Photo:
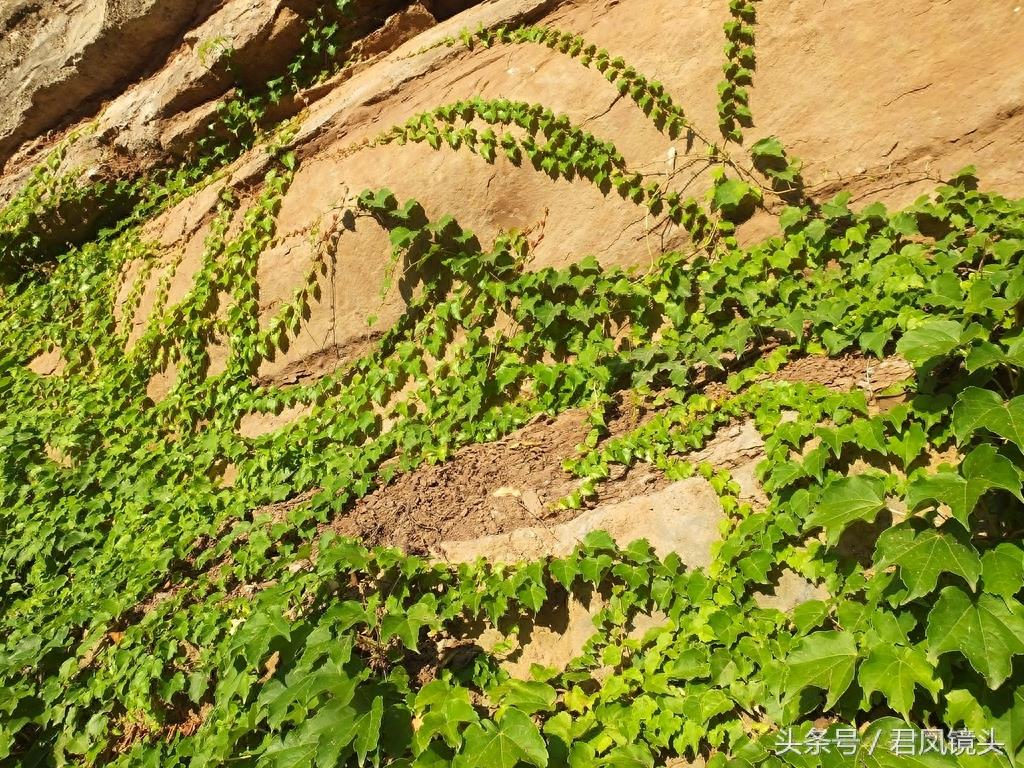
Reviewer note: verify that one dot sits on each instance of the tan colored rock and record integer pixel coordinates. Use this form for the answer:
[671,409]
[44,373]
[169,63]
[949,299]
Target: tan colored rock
[48,363]
[731,446]
[813,116]
[397,29]
[255,425]
[682,518]
[258,38]
[558,634]
[553,640]
[790,590]
[888,90]
[161,382]
[57,58]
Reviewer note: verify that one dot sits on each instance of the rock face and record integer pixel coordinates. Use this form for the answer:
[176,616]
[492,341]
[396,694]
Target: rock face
[915,101]
[683,518]
[57,60]
[881,100]
[876,117]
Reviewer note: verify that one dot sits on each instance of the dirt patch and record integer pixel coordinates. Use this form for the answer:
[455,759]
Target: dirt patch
[486,489]
[848,372]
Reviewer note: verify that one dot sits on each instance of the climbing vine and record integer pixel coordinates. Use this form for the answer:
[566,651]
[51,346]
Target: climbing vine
[740,60]
[155,614]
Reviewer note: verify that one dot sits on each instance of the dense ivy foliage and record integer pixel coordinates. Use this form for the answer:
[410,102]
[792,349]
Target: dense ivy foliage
[151,617]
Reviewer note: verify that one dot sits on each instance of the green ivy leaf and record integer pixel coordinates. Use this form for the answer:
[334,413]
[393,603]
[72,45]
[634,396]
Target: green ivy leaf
[366,729]
[504,744]
[983,409]
[406,626]
[734,198]
[923,555]
[1002,570]
[934,338]
[875,749]
[527,696]
[894,671]
[823,660]
[279,699]
[982,470]
[629,756]
[852,498]
[769,148]
[909,445]
[981,710]
[988,631]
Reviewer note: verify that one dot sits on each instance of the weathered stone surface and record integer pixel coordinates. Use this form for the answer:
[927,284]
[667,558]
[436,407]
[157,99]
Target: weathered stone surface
[789,590]
[48,363]
[682,518]
[57,60]
[258,424]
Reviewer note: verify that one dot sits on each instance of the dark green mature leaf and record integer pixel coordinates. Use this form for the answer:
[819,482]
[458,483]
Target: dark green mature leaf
[894,671]
[823,660]
[280,699]
[1002,570]
[923,555]
[983,409]
[324,735]
[877,748]
[366,729]
[989,631]
[846,500]
[284,755]
[983,469]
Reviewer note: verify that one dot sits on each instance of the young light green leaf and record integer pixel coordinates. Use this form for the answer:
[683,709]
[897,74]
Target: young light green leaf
[768,148]
[528,696]
[406,626]
[732,197]
[628,756]
[444,709]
